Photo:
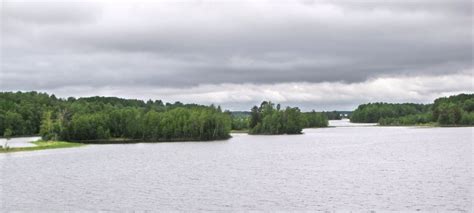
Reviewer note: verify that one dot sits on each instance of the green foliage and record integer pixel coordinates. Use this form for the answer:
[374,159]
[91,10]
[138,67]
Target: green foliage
[293,120]
[406,120]
[14,122]
[316,119]
[197,123]
[46,128]
[102,118]
[373,112]
[267,119]
[8,133]
[454,110]
[88,126]
[467,119]
[468,105]
[449,114]
[22,112]
[180,123]
[446,111]
[240,121]
[333,115]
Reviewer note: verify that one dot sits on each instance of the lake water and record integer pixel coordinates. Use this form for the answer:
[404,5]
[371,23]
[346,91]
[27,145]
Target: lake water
[358,168]
[19,142]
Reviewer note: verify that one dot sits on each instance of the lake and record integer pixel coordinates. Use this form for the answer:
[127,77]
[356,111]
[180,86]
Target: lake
[19,141]
[349,167]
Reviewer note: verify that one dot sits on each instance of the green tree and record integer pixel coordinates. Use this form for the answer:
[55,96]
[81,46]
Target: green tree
[267,119]
[46,128]
[7,134]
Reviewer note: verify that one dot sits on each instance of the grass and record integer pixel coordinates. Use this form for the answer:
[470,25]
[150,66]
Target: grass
[40,145]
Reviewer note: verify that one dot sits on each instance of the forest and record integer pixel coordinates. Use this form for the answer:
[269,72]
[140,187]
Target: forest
[271,119]
[98,119]
[102,118]
[241,120]
[455,110]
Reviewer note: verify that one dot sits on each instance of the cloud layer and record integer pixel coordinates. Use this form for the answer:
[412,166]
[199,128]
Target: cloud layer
[306,95]
[239,52]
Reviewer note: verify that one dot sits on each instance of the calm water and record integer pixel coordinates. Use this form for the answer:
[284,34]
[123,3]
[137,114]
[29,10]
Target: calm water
[342,168]
[19,142]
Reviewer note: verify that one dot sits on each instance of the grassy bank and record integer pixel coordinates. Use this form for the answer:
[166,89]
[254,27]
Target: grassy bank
[40,145]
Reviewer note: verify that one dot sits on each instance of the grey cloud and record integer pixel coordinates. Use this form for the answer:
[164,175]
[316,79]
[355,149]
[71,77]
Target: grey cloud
[171,44]
[308,96]
[49,12]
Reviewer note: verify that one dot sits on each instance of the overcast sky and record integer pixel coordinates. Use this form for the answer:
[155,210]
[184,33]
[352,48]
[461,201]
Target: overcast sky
[321,55]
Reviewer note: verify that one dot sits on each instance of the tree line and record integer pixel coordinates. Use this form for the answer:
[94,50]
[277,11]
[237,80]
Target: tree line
[240,121]
[445,111]
[333,115]
[95,118]
[373,112]
[271,119]
[454,110]
[102,118]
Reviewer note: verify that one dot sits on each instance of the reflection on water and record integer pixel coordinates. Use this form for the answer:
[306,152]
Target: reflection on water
[356,168]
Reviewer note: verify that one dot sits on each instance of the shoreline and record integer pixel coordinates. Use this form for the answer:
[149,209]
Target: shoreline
[42,145]
[134,141]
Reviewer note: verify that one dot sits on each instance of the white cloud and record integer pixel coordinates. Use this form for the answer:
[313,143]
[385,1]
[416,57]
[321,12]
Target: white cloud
[319,96]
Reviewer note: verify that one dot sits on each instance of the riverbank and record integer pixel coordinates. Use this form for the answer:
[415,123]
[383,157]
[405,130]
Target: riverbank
[40,145]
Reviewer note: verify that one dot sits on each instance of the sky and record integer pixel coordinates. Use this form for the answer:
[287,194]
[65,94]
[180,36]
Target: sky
[314,54]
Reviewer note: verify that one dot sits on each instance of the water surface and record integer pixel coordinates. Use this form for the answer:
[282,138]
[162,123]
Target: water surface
[342,168]
[19,142]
